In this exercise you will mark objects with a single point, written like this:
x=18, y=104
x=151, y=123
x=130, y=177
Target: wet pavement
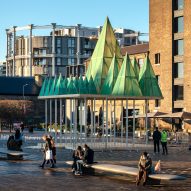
x=26, y=175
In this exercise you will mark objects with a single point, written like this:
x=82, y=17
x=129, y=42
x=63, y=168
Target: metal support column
x=133, y=122
x=56, y=121
x=85, y=120
x=103, y=128
x=53, y=48
x=30, y=49
x=80, y=119
x=50, y=115
x=66, y=123
x=71, y=122
x=46, y=115
x=106, y=123
x=75, y=122
x=146, y=120
x=121, y=121
x=91, y=121
x=94, y=129
x=127, y=125
x=61, y=121
x=114, y=123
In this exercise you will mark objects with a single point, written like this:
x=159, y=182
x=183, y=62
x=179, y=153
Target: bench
x=12, y=155
x=152, y=178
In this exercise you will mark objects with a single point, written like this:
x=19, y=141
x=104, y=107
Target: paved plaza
x=26, y=174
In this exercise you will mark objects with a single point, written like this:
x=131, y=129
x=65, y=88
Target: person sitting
x=145, y=167
x=77, y=155
x=88, y=158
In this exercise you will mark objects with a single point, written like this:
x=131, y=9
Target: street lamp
x=24, y=96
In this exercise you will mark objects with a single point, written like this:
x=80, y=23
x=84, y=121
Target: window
x=158, y=79
x=71, y=61
x=58, y=61
x=157, y=58
x=179, y=70
x=179, y=93
x=179, y=24
x=58, y=42
x=179, y=4
x=71, y=42
x=58, y=50
x=157, y=103
x=178, y=47
x=140, y=62
x=70, y=51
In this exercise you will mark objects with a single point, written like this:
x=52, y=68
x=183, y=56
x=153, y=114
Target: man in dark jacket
x=156, y=139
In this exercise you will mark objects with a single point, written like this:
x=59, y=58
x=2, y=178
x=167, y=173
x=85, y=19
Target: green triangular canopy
x=71, y=88
x=53, y=85
x=83, y=89
x=126, y=84
x=147, y=80
x=43, y=88
x=61, y=86
x=104, y=51
x=136, y=68
x=91, y=86
x=111, y=78
x=48, y=87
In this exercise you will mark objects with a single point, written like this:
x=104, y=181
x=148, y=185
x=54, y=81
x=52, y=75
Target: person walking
x=47, y=148
x=145, y=167
x=156, y=140
x=164, y=142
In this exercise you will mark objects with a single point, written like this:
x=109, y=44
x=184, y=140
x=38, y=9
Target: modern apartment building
x=63, y=51
x=170, y=53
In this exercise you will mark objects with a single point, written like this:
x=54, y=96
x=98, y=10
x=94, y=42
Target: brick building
x=170, y=53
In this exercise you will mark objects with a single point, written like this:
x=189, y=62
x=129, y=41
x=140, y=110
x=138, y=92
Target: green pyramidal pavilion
x=147, y=80
x=127, y=83
x=108, y=74
x=103, y=54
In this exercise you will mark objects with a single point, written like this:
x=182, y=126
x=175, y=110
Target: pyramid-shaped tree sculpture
x=111, y=78
x=147, y=80
x=136, y=68
x=61, y=86
x=91, y=86
x=83, y=88
x=43, y=88
x=71, y=88
x=104, y=51
x=126, y=84
x=53, y=86
x=48, y=86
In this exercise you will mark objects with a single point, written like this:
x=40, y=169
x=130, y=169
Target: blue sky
x=132, y=14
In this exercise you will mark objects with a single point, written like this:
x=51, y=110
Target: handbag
x=48, y=155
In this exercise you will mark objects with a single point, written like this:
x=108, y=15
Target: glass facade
x=179, y=24
x=179, y=93
x=179, y=4
x=179, y=47
x=179, y=70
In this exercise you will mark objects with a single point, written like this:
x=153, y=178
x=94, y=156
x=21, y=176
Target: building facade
x=170, y=53
x=63, y=51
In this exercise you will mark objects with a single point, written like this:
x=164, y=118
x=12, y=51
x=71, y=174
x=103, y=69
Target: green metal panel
x=71, y=88
x=76, y=82
x=53, y=85
x=49, y=84
x=43, y=88
x=101, y=59
x=91, y=86
x=61, y=86
x=126, y=83
x=83, y=88
x=111, y=78
x=135, y=67
x=147, y=80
